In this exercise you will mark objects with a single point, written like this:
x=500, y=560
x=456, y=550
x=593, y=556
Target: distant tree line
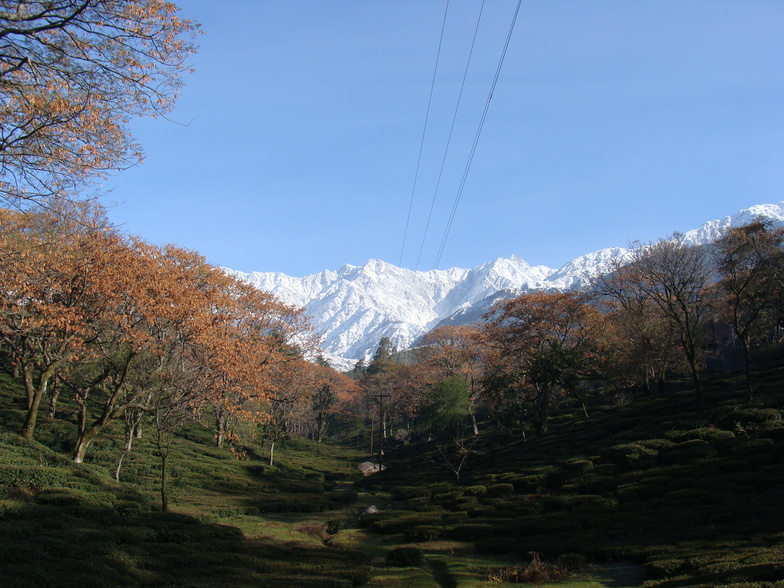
x=671, y=309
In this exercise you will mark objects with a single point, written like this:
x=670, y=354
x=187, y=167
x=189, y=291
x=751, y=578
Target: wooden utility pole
x=372, y=432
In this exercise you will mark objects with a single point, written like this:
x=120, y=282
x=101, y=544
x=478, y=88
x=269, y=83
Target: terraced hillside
x=647, y=491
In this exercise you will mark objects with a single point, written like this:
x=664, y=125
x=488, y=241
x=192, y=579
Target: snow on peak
x=712, y=230
x=355, y=306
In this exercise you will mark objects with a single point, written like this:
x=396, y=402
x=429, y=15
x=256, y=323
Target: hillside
x=647, y=490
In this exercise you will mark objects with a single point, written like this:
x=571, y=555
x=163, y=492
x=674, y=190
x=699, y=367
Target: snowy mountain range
x=354, y=307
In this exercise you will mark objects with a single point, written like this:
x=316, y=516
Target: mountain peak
x=355, y=306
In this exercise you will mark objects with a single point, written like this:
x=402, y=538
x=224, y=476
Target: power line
x=449, y=138
x=476, y=137
x=424, y=132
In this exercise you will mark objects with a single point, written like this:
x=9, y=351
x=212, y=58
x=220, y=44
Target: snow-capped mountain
x=354, y=307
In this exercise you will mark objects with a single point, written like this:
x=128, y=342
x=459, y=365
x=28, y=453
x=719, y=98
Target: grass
x=652, y=493
x=693, y=498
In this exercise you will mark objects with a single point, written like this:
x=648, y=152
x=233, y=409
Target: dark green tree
x=446, y=409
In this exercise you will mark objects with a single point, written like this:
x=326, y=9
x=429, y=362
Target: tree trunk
x=164, y=488
x=219, y=437
x=473, y=424
x=541, y=411
x=35, y=392
x=132, y=424
x=747, y=367
x=83, y=442
x=221, y=426
x=272, y=451
x=54, y=393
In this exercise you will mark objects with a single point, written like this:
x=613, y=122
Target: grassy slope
x=68, y=525
x=695, y=498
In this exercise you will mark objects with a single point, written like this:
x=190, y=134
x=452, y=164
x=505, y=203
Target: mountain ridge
x=353, y=307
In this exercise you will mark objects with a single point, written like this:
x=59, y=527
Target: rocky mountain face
x=354, y=307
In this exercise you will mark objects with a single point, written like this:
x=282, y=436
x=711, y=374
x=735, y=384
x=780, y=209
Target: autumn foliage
x=124, y=326
x=73, y=73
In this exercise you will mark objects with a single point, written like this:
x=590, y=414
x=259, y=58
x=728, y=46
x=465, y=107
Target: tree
x=674, y=276
x=546, y=344
x=446, y=408
x=57, y=276
x=256, y=332
x=147, y=327
x=748, y=259
x=335, y=394
x=73, y=73
x=459, y=350
x=641, y=337
x=382, y=356
x=289, y=402
x=119, y=321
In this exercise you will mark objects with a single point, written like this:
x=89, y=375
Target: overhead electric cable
x=476, y=137
x=449, y=138
x=424, y=132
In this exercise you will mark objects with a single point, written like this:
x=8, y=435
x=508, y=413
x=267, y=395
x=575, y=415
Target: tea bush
x=404, y=557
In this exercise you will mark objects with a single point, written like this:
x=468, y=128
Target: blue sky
x=296, y=140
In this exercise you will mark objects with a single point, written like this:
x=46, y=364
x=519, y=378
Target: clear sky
x=296, y=140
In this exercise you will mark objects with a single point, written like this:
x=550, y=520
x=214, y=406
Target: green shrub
x=440, y=487
x=10, y=508
x=420, y=503
x=530, y=484
x=477, y=490
x=710, y=434
x=335, y=525
x=400, y=523
x=404, y=557
x=751, y=447
x=657, y=444
x=630, y=453
x=503, y=489
x=342, y=497
x=294, y=503
x=598, y=484
x=424, y=533
x=743, y=419
x=452, y=518
x=128, y=508
x=33, y=477
x=579, y=465
x=666, y=568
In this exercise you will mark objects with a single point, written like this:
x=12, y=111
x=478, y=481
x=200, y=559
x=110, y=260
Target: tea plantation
x=647, y=491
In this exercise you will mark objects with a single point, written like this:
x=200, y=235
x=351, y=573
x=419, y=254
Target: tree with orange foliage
x=132, y=321
x=547, y=344
x=53, y=272
x=256, y=333
x=73, y=73
x=153, y=311
x=335, y=395
x=644, y=341
x=290, y=401
x=199, y=337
